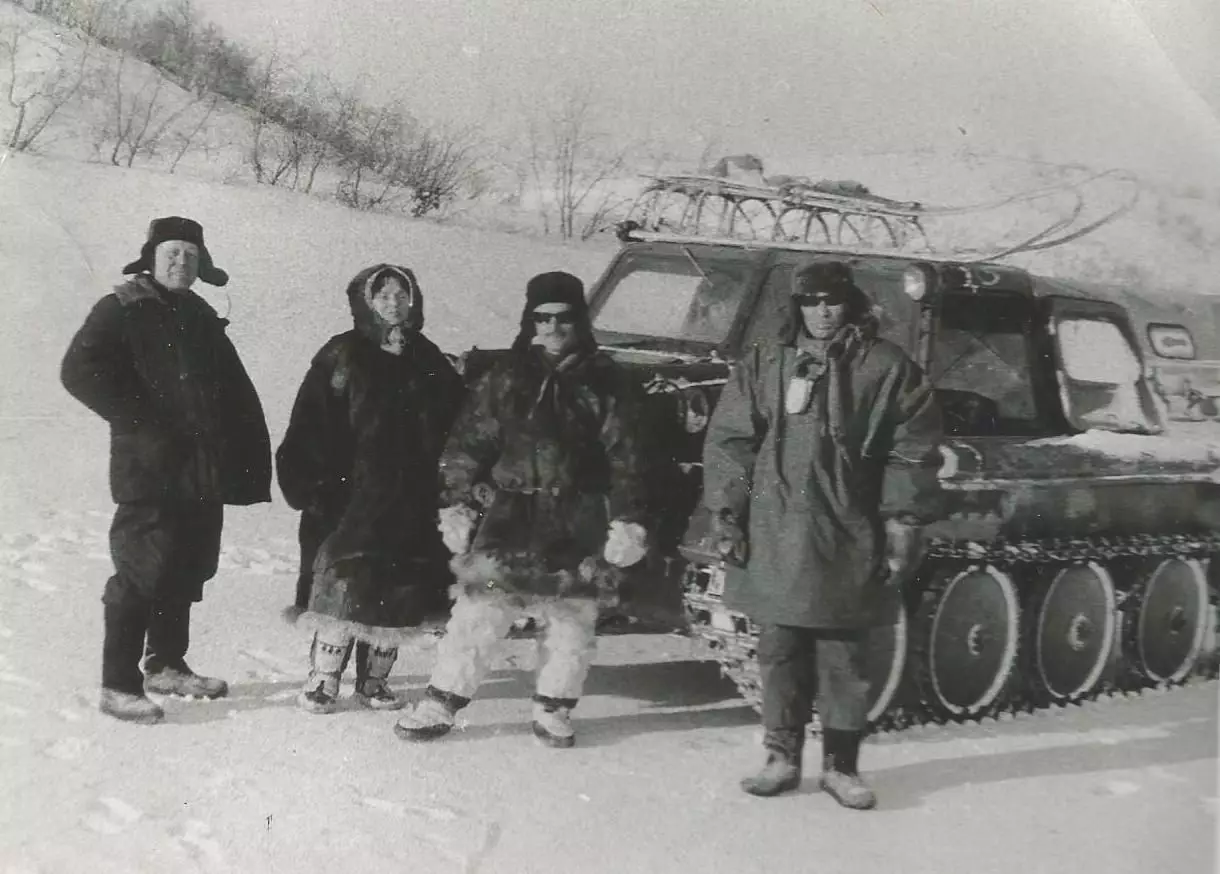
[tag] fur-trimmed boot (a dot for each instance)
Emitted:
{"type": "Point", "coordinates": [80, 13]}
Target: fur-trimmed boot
{"type": "Point", "coordinates": [840, 778]}
{"type": "Point", "coordinates": [782, 770]}
{"type": "Point", "coordinates": [432, 718]}
{"type": "Point", "coordinates": [373, 666]}
{"type": "Point", "coordinates": [553, 721]}
{"type": "Point", "coordinates": [326, 662]}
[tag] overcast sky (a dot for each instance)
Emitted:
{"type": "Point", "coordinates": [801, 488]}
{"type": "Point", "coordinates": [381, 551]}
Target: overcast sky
{"type": "Point", "coordinates": [1133, 83]}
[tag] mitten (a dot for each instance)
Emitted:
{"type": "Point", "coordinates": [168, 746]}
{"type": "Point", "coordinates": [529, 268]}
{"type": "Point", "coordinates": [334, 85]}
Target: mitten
{"type": "Point", "coordinates": [729, 538]}
{"type": "Point", "coordinates": [903, 550]}
{"type": "Point", "coordinates": [626, 543]}
{"type": "Point", "coordinates": [456, 525]}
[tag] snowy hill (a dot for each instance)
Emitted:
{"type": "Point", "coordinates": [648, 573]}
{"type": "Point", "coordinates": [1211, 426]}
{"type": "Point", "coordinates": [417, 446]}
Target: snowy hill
{"type": "Point", "coordinates": [250, 784]}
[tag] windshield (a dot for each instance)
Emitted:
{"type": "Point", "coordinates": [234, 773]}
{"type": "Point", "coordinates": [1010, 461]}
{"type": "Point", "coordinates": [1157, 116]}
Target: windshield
{"type": "Point", "coordinates": [683, 296]}
{"type": "Point", "coordinates": [1101, 377]}
{"type": "Point", "coordinates": [981, 364]}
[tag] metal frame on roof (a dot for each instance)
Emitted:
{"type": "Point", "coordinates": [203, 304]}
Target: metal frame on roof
{"type": "Point", "coordinates": [841, 217]}
{"type": "Point", "coordinates": [633, 233]}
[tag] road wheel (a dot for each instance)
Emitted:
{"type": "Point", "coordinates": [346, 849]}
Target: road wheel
{"type": "Point", "coordinates": [968, 636]}
{"type": "Point", "coordinates": [1070, 633]}
{"type": "Point", "coordinates": [1166, 620]}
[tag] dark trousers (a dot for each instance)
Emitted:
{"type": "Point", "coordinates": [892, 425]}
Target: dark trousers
{"type": "Point", "coordinates": [799, 664]}
{"type": "Point", "coordinates": [163, 554]}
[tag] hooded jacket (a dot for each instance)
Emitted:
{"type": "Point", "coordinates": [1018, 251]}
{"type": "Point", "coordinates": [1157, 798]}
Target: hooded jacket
{"type": "Point", "coordinates": [359, 459]}
{"type": "Point", "coordinates": [814, 487]}
{"type": "Point", "coordinates": [186, 424]}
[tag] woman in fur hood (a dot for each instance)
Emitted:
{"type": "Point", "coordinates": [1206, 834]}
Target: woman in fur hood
{"type": "Point", "coordinates": [544, 469]}
{"type": "Point", "coordinates": [359, 460]}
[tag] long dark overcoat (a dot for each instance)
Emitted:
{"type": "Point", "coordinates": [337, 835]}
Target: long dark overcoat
{"type": "Point", "coordinates": [359, 459]}
{"type": "Point", "coordinates": [185, 421]}
{"type": "Point", "coordinates": [815, 487]}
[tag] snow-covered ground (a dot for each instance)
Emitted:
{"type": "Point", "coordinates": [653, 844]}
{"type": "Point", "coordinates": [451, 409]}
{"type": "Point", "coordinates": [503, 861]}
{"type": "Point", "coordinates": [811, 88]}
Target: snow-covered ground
{"type": "Point", "coordinates": [251, 784]}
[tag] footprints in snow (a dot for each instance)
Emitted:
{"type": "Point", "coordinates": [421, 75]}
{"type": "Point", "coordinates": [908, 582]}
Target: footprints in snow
{"type": "Point", "coordinates": [429, 823]}
{"type": "Point", "coordinates": [193, 838]}
{"type": "Point", "coordinates": [26, 559]}
{"type": "Point", "coordinates": [259, 561]}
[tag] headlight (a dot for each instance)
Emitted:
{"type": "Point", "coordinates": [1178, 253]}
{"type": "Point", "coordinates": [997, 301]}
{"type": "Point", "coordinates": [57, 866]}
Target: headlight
{"type": "Point", "coordinates": [918, 281]}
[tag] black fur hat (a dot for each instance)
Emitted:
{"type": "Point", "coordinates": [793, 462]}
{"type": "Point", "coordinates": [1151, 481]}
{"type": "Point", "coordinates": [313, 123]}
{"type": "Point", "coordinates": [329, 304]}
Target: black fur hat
{"type": "Point", "coordinates": [821, 277]}
{"type": "Point", "coordinates": [555, 287]}
{"type": "Point", "coordinates": [177, 228]}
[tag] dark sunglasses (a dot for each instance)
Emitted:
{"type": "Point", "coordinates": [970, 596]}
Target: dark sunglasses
{"type": "Point", "coordinates": [564, 318]}
{"type": "Point", "coordinates": [831, 299]}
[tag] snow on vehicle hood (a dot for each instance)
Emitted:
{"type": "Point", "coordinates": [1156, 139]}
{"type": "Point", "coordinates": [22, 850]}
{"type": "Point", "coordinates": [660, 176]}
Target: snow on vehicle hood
{"type": "Point", "coordinates": [1135, 447]}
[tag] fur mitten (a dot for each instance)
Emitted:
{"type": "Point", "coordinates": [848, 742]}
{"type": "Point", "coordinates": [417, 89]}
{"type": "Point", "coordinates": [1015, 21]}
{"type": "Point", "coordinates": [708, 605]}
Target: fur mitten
{"type": "Point", "coordinates": [904, 550]}
{"type": "Point", "coordinates": [626, 543]}
{"type": "Point", "coordinates": [456, 525]}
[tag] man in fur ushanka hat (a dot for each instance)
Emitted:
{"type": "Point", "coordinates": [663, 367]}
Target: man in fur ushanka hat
{"type": "Point", "coordinates": [187, 437]}
{"type": "Point", "coordinates": [359, 461]}
{"type": "Point", "coordinates": [543, 495]}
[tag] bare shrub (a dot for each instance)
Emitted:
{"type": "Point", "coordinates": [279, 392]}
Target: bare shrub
{"type": "Point", "coordinates": [571, 162]}
{"type": "Point", "coordinates": [142, 110]}
{"type": "Point", "coordinates": [37, 88]}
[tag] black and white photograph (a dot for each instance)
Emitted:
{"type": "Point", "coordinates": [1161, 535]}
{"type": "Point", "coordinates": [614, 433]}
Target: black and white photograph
{"type": "Point", "coordinates": [504, 437]}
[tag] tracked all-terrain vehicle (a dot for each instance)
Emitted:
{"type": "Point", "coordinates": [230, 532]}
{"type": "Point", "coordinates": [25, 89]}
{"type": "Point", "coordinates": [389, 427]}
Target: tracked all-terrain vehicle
{"type": "Point", "coordinates": [1080, 548]}
{"type": "Point", "coordinates": [1078, 551]}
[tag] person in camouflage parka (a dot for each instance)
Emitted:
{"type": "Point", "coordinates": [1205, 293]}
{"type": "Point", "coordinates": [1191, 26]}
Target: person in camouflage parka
{"type": "Point", "coordinates": [545, 469]}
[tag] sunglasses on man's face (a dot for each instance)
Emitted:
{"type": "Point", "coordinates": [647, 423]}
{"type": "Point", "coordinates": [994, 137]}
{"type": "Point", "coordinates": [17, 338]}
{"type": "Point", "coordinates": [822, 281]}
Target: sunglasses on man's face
{"type": "Point", "coordinates": [565, 318]}
{"type": "Point", "coordinates": [831, 299]}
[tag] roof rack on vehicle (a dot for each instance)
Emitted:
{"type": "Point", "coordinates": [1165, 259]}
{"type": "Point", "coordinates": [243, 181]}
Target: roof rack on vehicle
{"type": "Point", "coordinates": [797, 213]}
{"type": "Point", "coordinates": [629, 230]}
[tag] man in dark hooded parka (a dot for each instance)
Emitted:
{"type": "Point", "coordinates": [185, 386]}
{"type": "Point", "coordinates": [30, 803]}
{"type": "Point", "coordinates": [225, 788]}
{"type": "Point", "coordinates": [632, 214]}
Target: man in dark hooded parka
{"type": "Point", "coordinates": [187, 436]}
{"type": "Point", "coordinates": [359, 460]}
{"type": "Point", "coordinates": [819, 467]}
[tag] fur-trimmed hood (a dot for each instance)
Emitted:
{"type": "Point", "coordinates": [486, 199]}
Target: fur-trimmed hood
{"type": "Point", "coordinates": [367, 322]}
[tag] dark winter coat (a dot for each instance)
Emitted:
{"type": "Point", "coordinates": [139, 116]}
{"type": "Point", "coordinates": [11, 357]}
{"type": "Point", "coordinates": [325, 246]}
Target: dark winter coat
{"type": "Point", "coordinates": [359, 459]}
{"type": "Point", "coordinates": [186, 424]}
{"type": "Point", "coordinates": [815, 487]}
{"type": "Point", "coordinates": [561, 448]}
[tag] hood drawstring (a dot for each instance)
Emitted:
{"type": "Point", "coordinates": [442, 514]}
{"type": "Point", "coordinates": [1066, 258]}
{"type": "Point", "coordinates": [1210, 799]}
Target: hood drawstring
{"type": "Point", "coordinates": [841, 349]}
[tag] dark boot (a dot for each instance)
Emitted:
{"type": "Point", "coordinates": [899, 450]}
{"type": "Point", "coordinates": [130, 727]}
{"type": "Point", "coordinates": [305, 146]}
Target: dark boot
{"type": "Point", "coordinates": [165, 668]}
{"type": "Point", "coordinates": [840, 777]}
{"type": "Point", "coordinates": [122, 694]}
{"type": "Point", "coordinates": [782, 771]}
{"type": "Point", "coordinates": [122, 646]}
{"type": "Point", "coordinates": [373, 666]}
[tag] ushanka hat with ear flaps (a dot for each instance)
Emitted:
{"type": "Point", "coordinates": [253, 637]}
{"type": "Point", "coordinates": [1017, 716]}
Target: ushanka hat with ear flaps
{"type": "Point", "coordinates": [174, 227]}
{"type": "Point", "coordinates": [555, 287]}
{"type": "Point", "coordinates": [832, 281]}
